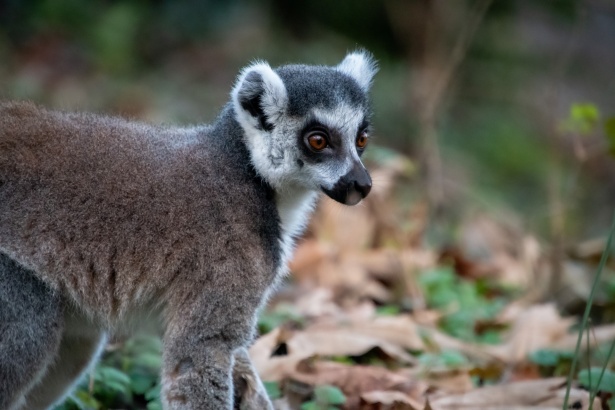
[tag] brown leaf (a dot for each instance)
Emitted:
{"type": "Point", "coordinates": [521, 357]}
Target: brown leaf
{"type": "Point", "coordinates": [388, 400]}
{"type": "Point", "coordinates": [347, 227]}
{"type": "Point", "coordinates": [538, 327]}
{"type": "Point", "coordinates": [597, 335]}
{"type": "Point", "coordinates": [578, 399]}
{"type": "Point", "coordinates": [392, 335]}
{"type": "Point", "coordinates": [450, 380]}
{"type": "Point", "coordinates": [519, 393]}
{"type": "Point", "coordinates": [400, 330]}
{"type": "Point", "coordinates": [351, 341]}
{"type": "Point", "coordinates": [308, 254]}
{"type": "Point", "coordinates": [354, 380]}
{"type": "Point", "coordinates": [530, 395]}
{"type": "Point", "coordinates": [357, 380]}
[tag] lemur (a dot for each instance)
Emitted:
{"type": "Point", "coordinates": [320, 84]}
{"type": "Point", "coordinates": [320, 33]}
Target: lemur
{"type": "Point", "coordinates": [104, 220]}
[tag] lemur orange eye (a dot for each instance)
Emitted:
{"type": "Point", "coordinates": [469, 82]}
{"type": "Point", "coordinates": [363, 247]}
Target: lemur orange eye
{"type": "Point", "coordinates": [317, 141]}
{"type": "Point", "coordinates": [362, 140]}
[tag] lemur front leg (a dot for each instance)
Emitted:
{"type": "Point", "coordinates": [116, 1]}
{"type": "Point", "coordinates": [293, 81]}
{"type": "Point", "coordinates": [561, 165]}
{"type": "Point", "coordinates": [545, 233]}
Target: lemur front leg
{"type": "Point", "coordinates": [249, 391]}
{"type": "Point", "coordinates": [200, 344]}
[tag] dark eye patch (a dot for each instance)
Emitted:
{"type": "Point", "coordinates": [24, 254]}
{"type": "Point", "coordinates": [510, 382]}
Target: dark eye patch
{"type": "Point", "coordinates": [333, 136]}
{"type": "Point", "coordinates": [334, 141]}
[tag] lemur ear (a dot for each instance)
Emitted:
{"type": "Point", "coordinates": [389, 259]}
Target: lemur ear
{"type": "Point", "coordinates": [361, 66]}
{"type": "Point", "coordinates": [259, 96]}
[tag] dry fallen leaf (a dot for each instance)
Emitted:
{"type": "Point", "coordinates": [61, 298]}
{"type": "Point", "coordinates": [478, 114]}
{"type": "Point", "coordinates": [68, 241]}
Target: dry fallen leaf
{"type": "Point", "coordinates": [349, 228]}
{"type": "Point", "coordinates": [597, 336]}
{"type": "Point", "coordinates": [450, 380]}
{"type": "Point", "coordinates": [392, 335]}
{"type": "Point", "coordinates": [534, 395]}
{"type": "Point", "coordinates": [538, 327]}
{"type": "Point", "coordinates": [344, 271]}
{"type": "Point", "coordinates": [388, 400]}
{"type": "Point", "coordinates": [357, 380]}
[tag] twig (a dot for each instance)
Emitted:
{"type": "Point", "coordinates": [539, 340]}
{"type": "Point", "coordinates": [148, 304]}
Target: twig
{"type": "Point", "coordinates": [433, 103]}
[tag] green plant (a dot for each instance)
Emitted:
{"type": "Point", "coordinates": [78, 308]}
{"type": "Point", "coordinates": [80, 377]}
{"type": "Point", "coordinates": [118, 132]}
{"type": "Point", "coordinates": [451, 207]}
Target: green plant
{"type": "Point", "coordinates": [467, 301]}
{"type": "Point", "coordinates": [124, 378]}
{"type": "Point", "coordinates": [325, 398]}
{"type": "Point", "coordinates": [584, 322]}
{"type": "Point", "coordinates": [598, 379]}
{"type": "Point", "coordinates": [445, 358]}
{"type": "Point", "coordinates": [273, 390]}
{"type": "Point", "coordinates": [282, 313]}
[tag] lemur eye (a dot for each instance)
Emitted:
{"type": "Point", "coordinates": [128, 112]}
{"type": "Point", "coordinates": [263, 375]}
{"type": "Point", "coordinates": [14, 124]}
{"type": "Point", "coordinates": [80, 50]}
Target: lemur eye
{"type": "Point", "coordinates": [362, 140]}
{"type": "Point", "coordinates": [317, 141]}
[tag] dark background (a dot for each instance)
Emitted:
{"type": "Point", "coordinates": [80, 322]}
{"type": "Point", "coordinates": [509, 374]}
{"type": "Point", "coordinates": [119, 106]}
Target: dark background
{"type": "Point", "coordinates": [477, 93]}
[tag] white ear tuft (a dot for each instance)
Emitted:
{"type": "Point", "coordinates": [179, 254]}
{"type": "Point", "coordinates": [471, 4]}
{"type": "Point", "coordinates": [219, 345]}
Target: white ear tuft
{"type": "Point", "coordinates": [361, 66]}
{"type": "Point", "coordinates": [259, 96]}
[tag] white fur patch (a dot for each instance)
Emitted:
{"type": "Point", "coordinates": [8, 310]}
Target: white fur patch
{"type": "Point", "coordinates": [267, 158]}
{"type": "Point", "coordinates": [294, 207]}
{"type": "Point", "coordinates": [361, 66]}
{"type": "Point", "coordinates": [274, 98]}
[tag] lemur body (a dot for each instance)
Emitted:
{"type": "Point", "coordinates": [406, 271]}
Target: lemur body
{"type": "Point", "coordinates": [102, 219]}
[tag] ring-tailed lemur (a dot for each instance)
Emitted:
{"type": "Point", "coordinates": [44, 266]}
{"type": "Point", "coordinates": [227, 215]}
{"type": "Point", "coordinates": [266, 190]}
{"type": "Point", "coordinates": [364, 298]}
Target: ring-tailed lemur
{"type": "Point", "coordinates": [103, 220]}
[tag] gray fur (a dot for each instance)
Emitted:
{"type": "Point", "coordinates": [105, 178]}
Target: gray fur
{"type": "Point", "coordinates": [103, 220]}
{"type": "Point", "coordinates": [323, 87]}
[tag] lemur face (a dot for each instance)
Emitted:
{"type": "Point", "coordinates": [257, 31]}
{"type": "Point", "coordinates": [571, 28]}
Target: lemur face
{"type": "Point", "coordinates": [309, 125]}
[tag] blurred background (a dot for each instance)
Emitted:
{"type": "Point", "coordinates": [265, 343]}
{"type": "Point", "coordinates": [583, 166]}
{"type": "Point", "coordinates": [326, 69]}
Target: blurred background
{"type": "Point", "coordinates": [494, 127]}
{"type": "Point", "coordinates": [502, 105]}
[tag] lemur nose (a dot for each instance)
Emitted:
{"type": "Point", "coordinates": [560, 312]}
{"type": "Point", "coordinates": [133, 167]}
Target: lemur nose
{"type": "Point", "coordinates": [363, 187]}
{"type": "Point", "coordinates": [352, 187]}
{"type": "Point", "coordinates": [362, 182]}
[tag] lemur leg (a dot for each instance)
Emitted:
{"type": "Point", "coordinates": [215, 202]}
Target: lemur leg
{"type": "Point", "coordinates": [31, 324]}
{"type": "Point", "coordinates": [248, 389]}
{"type": "Point", "coordinates": [81, 345]}
{"type": "Point", "coordinates": [199, 351]}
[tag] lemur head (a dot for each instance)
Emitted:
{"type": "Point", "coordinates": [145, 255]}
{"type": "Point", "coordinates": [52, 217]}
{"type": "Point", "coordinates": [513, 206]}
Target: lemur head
{"type": "Point", "coordinates": [308, 126]}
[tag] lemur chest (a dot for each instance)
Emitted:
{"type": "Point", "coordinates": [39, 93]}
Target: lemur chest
{"type": "Point", "coordinates": [294, 208]}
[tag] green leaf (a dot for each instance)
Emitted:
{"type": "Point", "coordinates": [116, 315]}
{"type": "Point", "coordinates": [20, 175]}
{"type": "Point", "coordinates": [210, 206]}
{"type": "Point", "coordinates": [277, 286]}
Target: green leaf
{"type": "Point", "coordinates": [142, 383]}
{"type": "Point", "coordinates": [589, 377]}
{"type": "Point", "coordinates": [545, 357]}
{"type": "Point", "coordinates": [154, 405]}
{"type": "Point", "coordinates": [310, 405]}
{"type": "Point", "coordinates": [273, 390]}
{"type": "Point", "coordinates": [329, 395]}
{"type": "Point", "coordinates": [151, 360]}
{"type": "Point", "coordinates": [387, 310]}
{"type": "Point", "coordinates": [584, 112]}
{"type": "Point", "coordinates": [609, 130]}
{"type": "Point", "coordinates": [110, 374]}
{"type": "Point", "coordinates": [153, 393]}
{"type": "Point", "coordinates": [83, 400]}
{"type": "Point", "coordinates": [343, 359]}
{"type": "Point", "coordinates": [282, 313]}
{"type": "Point", "coordinates": [113, 379]}
{"type": "Point", "coordinates": [453, 358]}
{"type": "Point", "coordinates": [584, 117]}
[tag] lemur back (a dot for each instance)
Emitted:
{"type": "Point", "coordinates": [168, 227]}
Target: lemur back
{"type": "Point", "coordinates": [107, 217]}
{"type": "Point", "coordinates": [183, 196]}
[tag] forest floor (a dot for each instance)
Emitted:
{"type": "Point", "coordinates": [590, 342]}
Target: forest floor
{"type": "Point", "coordinates": [372, 318]}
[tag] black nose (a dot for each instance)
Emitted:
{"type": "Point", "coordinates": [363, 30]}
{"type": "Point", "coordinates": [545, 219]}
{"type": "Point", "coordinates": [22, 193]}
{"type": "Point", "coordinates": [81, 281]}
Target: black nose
{"type": "Point", "coordinates": [352, 187]}
{"type": "Point", "coordinates": [363, 187]}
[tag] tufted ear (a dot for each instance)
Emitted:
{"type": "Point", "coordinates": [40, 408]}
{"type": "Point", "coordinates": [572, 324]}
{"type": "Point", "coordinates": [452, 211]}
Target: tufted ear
{"type": "Point", "coordinates": [361, 66]}
{"type": "Point", "coordinates": [259, 96]}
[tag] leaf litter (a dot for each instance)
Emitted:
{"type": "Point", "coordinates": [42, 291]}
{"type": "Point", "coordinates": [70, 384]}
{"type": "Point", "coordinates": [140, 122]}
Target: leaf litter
{"type": "Point", "coordinates": [373, 313]}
